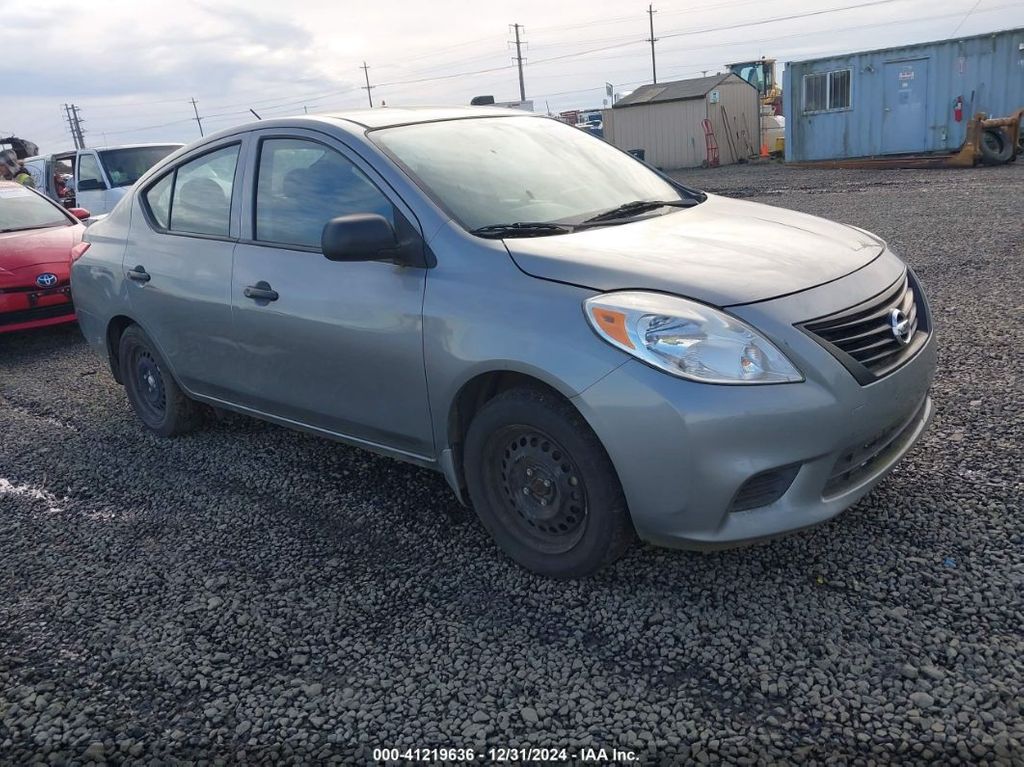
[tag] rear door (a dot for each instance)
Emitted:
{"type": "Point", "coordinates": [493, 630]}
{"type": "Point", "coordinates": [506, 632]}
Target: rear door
{"type": "Point", "coordinates": [178, 265]}
{"type": "Point", "coordinates": [905, 119]}
{"type": "Point", "coordinates": [339, 346]}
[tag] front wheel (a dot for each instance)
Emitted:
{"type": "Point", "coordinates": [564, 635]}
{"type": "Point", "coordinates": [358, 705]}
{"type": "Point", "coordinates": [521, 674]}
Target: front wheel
{"type": "Point", "coordinates": [155, 396]}
{"type": "Point", "coordinates": [543, 485]}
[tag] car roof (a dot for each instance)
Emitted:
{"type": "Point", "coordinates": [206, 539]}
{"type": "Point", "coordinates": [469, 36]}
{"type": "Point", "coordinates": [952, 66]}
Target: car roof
{"type": "Point", "coordinates": [68, 152]}
{"type": "Point", "coordinates": [386, 117]}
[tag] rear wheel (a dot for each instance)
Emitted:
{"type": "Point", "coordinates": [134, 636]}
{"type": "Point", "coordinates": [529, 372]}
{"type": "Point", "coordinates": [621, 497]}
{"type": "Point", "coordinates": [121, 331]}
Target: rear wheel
{"type": "Point", "coordinates": [543, 485]}
{"type": "Point", "coordinates": [154, 395]}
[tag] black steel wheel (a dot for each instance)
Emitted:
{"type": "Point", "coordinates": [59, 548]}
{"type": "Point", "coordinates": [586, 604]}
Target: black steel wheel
{"type": "Point", "coordinates": [543, 485]}
{"type": "Point", "coordinates": [146, 380]}
{"type": "Point", "coordinates": [542, 492]}
{"type": "Point", "coordinates": [155, 396]}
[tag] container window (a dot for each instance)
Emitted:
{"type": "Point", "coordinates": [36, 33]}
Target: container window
{"type": "Point", "coordinates": [826, 91]}
{"type": "Point", "coordinates": [815, 92]}
{"type": "Point", "coordinates": [839, 89]}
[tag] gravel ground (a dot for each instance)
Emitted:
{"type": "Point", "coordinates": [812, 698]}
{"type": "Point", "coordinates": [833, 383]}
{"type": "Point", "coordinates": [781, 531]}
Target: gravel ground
{"type": "Point", "coordinates": [252, 593]}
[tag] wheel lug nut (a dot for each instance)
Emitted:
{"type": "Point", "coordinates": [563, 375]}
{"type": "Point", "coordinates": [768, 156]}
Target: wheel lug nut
{"type": "Point", "coordinates": [529, 472]}
{"type": "Point", "coordinates": [526, 491]}
{"type": "Point", "coordinates": [547, 483]}
{"type": "Point", "coordinates": [543, 502]}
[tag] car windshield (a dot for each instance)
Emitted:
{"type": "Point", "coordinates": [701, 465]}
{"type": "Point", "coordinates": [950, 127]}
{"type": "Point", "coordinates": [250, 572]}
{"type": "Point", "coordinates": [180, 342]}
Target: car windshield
{"type": "Point", "coordinates": [126, 166]}
{"type": "Point", "coordinates": [21, 208]}
{"type": "Point", "coordinates": [489, 171]}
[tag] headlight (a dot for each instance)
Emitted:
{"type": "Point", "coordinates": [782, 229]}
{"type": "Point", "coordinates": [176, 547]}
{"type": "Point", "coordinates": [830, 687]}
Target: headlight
{"type": "Point", "coordinates": [688, 339]}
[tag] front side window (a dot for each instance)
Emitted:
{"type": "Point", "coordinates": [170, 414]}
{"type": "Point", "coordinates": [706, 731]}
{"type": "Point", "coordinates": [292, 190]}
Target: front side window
{"type": "Point", "coordinates": [496, 170]}
{"type": "Point", "coordinates": [126, 166]}
{"type": "Point", "coordinates": [302, 185]}
{"type": "Point", "coordinates": [826, 91]}
{"type": "Point", "coordinates": [90, 178]}
{"type": "Point", "coordinates": [201, 197]}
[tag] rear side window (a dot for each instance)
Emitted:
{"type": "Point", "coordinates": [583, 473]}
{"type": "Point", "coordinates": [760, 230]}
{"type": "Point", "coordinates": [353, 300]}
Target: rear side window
{"type": "Point", "coordinates": [195, 197]}
{"type": "Point", "coordinates": [201, 200]}
{"type": "Point", "coordinates": [302, 185]}
{"type": "Point", "coordinates": [158, 198]}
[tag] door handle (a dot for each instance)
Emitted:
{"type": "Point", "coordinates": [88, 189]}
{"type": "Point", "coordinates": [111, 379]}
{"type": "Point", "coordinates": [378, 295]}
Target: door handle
{"type": "Point", "coordinates": [261, 291]}
{"type": "Point", "coordinates": [139, 274]}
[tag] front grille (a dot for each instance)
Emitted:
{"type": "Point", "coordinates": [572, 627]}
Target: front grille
{"type": "Point", "coordinates": [38, 313]}
{"type": "Point", "coordinates": [764, 488]}
{"type": "Point", "coordinates": [35, 288]}
{"type": "Point", "coordinates": [862, 337]}
{"type": "Point", "coordinates": [860, 461]}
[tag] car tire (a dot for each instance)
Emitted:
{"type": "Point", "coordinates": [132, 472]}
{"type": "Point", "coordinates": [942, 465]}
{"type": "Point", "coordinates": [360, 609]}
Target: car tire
{"type": "Point", "coordinates": [155, 396]}
{"type": "Point", "coordinates": [543, 485]}
{"type": "Point", "coordinates": [996, 148]}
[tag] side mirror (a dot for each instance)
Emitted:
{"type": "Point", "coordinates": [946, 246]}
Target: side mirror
{"type": "Point", "coordinates": [358, 237]}
{"type": "Point", "coordinates": [80, 213]}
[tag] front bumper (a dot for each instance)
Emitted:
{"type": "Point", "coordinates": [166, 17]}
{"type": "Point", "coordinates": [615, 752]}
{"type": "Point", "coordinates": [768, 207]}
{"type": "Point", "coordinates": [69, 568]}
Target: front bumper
{"type": "Point", "coordinates": [28, 309]}
{"type": "Point", "coordinates": [684, 450]}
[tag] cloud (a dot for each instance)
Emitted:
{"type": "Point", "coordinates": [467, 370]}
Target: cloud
{"type": "Point", "coordinates": [132, 65]}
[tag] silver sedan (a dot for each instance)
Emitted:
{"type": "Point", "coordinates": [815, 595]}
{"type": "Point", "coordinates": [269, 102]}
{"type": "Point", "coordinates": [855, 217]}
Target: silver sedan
{"type": "Point", "coordinates": [586, 349]}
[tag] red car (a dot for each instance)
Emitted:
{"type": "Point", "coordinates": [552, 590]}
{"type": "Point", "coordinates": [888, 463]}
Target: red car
{"type": "Point", "coordinates": [38, 240]}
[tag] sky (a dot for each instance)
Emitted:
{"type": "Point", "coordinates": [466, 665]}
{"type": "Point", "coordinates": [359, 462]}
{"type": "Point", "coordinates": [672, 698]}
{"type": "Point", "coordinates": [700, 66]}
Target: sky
{"type": "Point", "coordinates": [133, 66]}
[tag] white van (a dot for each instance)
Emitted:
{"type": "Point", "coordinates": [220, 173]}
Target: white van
{"type": "Point", "coordinates": [94, 179]}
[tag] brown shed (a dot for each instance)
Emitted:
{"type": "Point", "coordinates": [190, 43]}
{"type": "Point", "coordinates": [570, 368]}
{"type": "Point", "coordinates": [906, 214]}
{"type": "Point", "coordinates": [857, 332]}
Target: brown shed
{"type": "Point", "coordinates": [664, 121]}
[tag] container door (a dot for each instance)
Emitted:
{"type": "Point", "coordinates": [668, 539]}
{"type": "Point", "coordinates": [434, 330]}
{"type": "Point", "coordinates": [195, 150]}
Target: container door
{"type": "Point", "coordinates": [905, 121]}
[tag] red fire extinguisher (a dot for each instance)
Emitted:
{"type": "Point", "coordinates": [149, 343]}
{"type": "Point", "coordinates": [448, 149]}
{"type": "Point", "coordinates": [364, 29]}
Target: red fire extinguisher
{"type": "Point", "coordinates": [958, 108]}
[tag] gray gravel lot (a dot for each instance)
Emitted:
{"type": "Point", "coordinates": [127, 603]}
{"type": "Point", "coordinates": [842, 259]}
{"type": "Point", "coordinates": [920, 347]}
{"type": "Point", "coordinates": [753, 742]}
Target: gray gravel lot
{"type": "Point", "coordinates": [258, 594]}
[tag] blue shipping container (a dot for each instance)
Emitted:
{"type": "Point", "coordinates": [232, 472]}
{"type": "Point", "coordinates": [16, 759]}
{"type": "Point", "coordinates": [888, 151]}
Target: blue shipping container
{"type": "Point", "coordinates": [900, 100]}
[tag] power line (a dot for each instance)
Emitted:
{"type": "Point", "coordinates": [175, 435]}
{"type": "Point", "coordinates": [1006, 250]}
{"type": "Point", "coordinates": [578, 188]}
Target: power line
{"type": "Point", "coordinates": [964, 19]}
{"type": "Point", "coordinates": [305, 99]}
{"type": "Point", "coordinates": [518, 58]}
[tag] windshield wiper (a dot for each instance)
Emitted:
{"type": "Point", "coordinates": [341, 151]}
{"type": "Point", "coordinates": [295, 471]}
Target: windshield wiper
{"type": "Point", "coordinates": [520, 229]}
{"type": "Point", "coordinates": [636, 207]}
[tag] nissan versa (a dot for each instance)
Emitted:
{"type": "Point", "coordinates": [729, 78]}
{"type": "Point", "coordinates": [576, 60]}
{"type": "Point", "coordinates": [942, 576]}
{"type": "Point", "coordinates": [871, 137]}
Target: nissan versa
{"type": "Point", "coordinates": [585, 348]}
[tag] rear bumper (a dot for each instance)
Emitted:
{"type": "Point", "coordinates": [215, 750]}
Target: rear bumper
{"type": "Point", "coordinates": [683, 450]}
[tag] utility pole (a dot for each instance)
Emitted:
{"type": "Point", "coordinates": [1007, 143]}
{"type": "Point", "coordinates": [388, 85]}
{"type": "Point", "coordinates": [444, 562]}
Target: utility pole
{"type": "Point", "coordinates": [652, 39]}
{"type": "Point", "coordinates": [75, 125]}
{"type": "Point", "coordinates": [518, 58]}
{"type": "Point", "coordinates": [71, 127]}
{"type": "Point", "coordinates": [78, 125]}
{"type": "Point", "coordinates": [368, 88]}
{"type": "Point", "coordinates": [198, 119]}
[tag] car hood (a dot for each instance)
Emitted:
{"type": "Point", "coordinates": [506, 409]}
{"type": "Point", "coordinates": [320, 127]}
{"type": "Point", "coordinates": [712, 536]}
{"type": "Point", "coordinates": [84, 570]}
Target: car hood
{"type": "Point", "coordinates": [722, 252]}
{"type": "Point", "coordinates": [37, 246]}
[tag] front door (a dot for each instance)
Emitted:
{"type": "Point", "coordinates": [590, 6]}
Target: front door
{"type": "Point", "coordinates": [905, 116]}
{"type": "Point", "coordinates": [333, 345]}
{"type": "Point", "coordinates": [178, 266]}
{"type": "Point", "coordinates": [90, 184]}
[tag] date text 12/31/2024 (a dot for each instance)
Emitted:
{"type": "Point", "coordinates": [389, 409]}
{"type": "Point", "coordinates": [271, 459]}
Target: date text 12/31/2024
{"type": "Point", "coordinates": [501, 755]}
